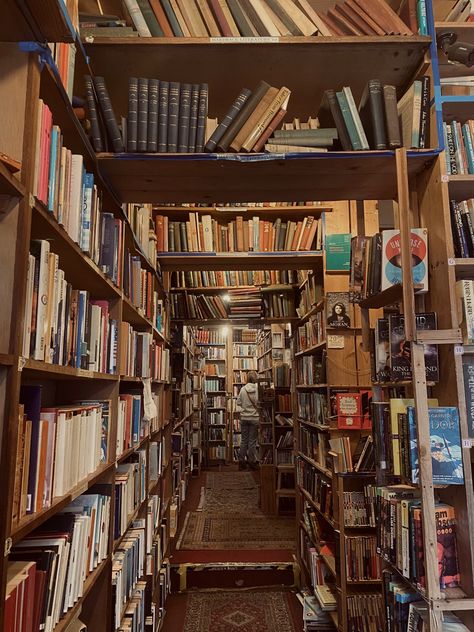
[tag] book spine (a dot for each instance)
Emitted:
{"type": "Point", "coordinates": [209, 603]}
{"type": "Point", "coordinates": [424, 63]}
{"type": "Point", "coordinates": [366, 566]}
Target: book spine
{"type": "Point", "coordinates": [173, 116]}
{"type": "Point", "coordinates": [425, 112]}
{"type": "Point", "coordinates": [92, 111]}
{"type": "Point", "coordinates": [150, 18]}
{"type": "Point", "coordinates": [111, 123]}
{"type": "Point", "coordinates": [193, 119]}
{"type": "Point", "coordinates": [163, 116]}
{"type": "Point", "coordinates": [161, 18]}
{"type": "Point", "coordinates": [227, 120]}
{"type": "Point", "coordinates": [451, 152]}
{"type": "Point", "coordinates": [152, 135]}
{"type": "Point", "coordinates": [391, 117]}
{"type": "Point", "coordinates": [132, 119]}
{"type": "Point", "coordinates": [137, 18]}
{"type": "Point", "coordinates": [276, 121]}
{"type": "Point", "coordinates": [241, 19]}
{"type": "Point", "coordinates": [350, 125]}
{"type": "Point", "coordinates": [422, 17]}
{"type": "Point", "coordinates": [202, 116]}
{"type": "Point", "coordinates": [142, 114]}
{"type": "Point", "coordinates": [172, 18]}
{"type": "Point", "coordinates": [184, 116]}
{"type": "Point", "coordinates": [466, 133]}
{"type": "Point", "coordinates": [220, 18]}
{"type": "Point", "coordinates": [377, 112]}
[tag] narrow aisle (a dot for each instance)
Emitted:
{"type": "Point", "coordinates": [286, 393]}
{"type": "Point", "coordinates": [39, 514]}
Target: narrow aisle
{"type": "Point", "coordinates": [233, 566]}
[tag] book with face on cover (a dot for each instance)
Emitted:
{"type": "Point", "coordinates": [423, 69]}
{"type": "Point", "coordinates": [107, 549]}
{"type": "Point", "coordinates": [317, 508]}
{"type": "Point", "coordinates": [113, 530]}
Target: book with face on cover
{"type": "Point", "coordinates": [338, 315]}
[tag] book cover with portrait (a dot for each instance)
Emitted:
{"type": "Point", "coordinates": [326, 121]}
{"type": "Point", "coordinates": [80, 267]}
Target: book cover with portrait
{"type": "Point", "coordinates": [338, 314]}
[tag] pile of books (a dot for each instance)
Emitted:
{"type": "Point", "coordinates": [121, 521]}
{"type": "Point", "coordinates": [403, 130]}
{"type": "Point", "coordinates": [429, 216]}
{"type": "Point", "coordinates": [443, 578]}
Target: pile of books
{"type": "Point", "coordinates": [458, 141]}
{"type": "Point", "coordinates": [251, 18]}
{"type": "Point", "coordinates": [197, 306]}
{"type": "Point", "coordinates": [301, 137]}
{"type": "Point", "coordinates": [380, 122]}
{"type": "Point", "coordinates": [203, 233]}
{"type": "Point", "coordinates": [245, 303]}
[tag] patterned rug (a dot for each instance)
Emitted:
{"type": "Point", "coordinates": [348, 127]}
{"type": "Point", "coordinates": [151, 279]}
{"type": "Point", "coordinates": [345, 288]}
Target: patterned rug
{"type": "Point", "coordinates": [231, 500]}
{"type": "Point", "coordinates": [230, 480]}
{"type": "Point", "coordinates": [251, 531]}
{"type": "Point", "coordinates": [238, 611]}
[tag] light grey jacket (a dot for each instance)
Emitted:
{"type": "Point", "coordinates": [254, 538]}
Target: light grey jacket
{"type": "Point", "coordinates": [248, 394]}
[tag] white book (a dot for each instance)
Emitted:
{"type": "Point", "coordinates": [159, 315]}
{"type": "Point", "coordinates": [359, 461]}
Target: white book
{"type": "Point", "coordinates": [356, 118]}
{"type": "Point", "coordinates": [54, 311]}
{"type": "Point", "coordinates": [256, 234]}
{"type": "Point", "coordinates": [75, 199]}
{"type": "Point", "coordinates": [207, 233]}
{"type": "Point", "coordinates": [137, 18]}
{"type": "Point", "coordinates": [42, 303]}
{"type": "Point", "coordinates": [28, 306]}
{"type": "Point", "coordinates": [62, 316]}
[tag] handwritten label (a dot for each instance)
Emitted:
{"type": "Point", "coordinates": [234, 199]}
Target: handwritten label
{"type": "Point", "coordinates": [8, 546]}
{"type": "Point", "coordinates": [467, 443]}
{"type": "Point", "coordinates": [244, 40]}
{"type": "Point", "coordinates": [32, 200]}
{"type": "Point", "coordinates": [335, 342]}
{"type": "Point", "coordinates": [458, 350]}
{"type": "Point", "coordinates": [21, 363]}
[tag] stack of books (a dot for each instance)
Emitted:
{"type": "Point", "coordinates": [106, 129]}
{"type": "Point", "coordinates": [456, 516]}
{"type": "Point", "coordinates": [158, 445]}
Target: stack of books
{"type": "Point", "coordinates": [245, 304]}
{"type": "Point", "coordinates": [197, 306]}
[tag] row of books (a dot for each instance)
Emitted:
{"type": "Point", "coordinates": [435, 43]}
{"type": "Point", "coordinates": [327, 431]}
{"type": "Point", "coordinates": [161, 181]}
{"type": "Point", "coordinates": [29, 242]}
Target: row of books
{"type": "Point", "coordinates": [202, 233]}
{"type": "Point", "coordinates": [312, 407]}
{"type": "Point", "coordinates": [278, 305]}
{"type": "Point", "coordinates": [462, 227]}
{"type": "Point", "coordinates": [365, 612]}
{"type": "Point", "coordinates": [253, 18]}
{"type": "Point", "coordinates": [282, 403]}
{"type": "Point", "coordinates": [407, 611]}
{"type": "Point", "coordinates": [232, 278]}
{"type": "Point", "coordinates": [393, 352]}
{"type": "Point", "coordinates": [397, 442]}
{"type": "Point", "coordinates": [309, 370]}
{"type": "Point", "coordinates": [282, 378]}
{"type": "Point", "coordinates": [314, 445]}
{"type": "Point", "coordinates": [210, 337]}
{"type": "Point", "coordinates": [46, 571]}
{"type": "Point", "coordinates": [128, 567]}
{"type": "Point", "coordinates": [245, 335]}
{"type": "Point", "coordinates": [157, 460]}
{"type": "Point", "coordinates": [132, 427]}
{"type": "Point", "coordinates": [359, 507]}
{"type": "Point", "coordinates": [130, 490]}
{"type": "Point", "coordinates": [64, 57]}
{"type": "Point", "coordinates": [42, 449]}
{"type": "Point", "coordinates": [139, 287]}
{"type": "Point", "coordinates": [216, 401]}
{"type": "Point", "coordinates": [216, 418]}
{"type": "Point", "coordinates": [212, 385]}
{"type": "Point", "coordinates": [140, 217]}
{"type": "Point", "coordinates": [197, 306]}
{"type": "Point", "coordinates": [458, 141]}
{"type": "Point", "coordinates": [400, 535]}
{"type": "Point", "coordinates": [311, 293]}
{"type": "Point", "coordinates": [245, 304]}
{"type": "Point", "coordinates": [376, 263]}
{"type": "Point", "coordinates": [64, 325]}
{"type": "Point", "coordinates": [217, 434]}
{"type": "Point", "coordinates": [246, 364]}
{"type": "Point", "coordinates": [361, 561]}
{"type": "Point", "coordinates": [311, 333]}
{"type": "Point", "coordinates": [244, 350]}
{"type": "Point", "coordinates": [316, 485]}
{"type": "Point", "coordinates": [217, 453]}
{"type": "Point", "coordinates": [214, 353]}
{"type": "Point", "coordinates": [214, 369]}
{"type": "Point", "coordinates": [142, 356]}
{"type": "Point", "coordinates": [379, 122]}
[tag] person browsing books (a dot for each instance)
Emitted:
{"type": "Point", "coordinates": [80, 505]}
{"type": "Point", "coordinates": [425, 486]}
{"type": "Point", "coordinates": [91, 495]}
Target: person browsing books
{"type": "Point", "coordinates": [247, 401]}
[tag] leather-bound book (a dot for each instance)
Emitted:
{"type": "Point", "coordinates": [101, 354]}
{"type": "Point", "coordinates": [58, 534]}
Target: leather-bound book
{"type": "Point", "coordinates": [173, 116]}
{"type": "Point", "coordinates": [142, 114]}
{"type": "Point", "coordinates": [163, 116]}
{"type": "Point", "coordinates": [394, 138]}
{"type": "Point", "coordinates": [184, 116]}
{"type": "Point", "coordinates": [372, 114]}
{"type": "Point", "coordinates": [153, 98]}
{"type": "Point", "coordinates": [202, 117]}
{"type": "Point", "coordinates": [228, 118]}
{"type": "Point", "coordinates": [108, 114]}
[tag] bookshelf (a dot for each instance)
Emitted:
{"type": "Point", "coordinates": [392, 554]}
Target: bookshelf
{"type": "Point", "coordinates": [212, 178]}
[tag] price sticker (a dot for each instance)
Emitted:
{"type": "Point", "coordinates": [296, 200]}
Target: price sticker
{"type": "Point", "coordinates": [335, 342]}
{"type": "Point", "coordinates": [84, 373]}
{"type": "Point", "coordinates": [8, 546]}
{"type": "Point", "coordinates": [458, 350]}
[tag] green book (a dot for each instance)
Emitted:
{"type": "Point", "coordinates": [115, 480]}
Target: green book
{"type": "Point", "coordinates": [338, 252]}
{"type": "Point", "coordinates": [349, 121]}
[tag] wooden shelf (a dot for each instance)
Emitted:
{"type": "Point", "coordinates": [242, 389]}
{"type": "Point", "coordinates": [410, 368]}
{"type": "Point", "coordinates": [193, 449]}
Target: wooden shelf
{"type": "Point", "coordinates": [314, 310]}
{"type": "Point", "coordinates": [464, 31]}
{"type": "Point", "coordinates": [207, 177]}
{"type": "Point", "coordinates": [172, 261]}
{"type": "Point", "coordinates": [44, 370]}
{"type": "Point", "coordinates": [7, 359]}
{"type": "Point", "coordinates": [316, 465]}
{"type": "Point", "coordinates": [229, 64]}
{"type": "Point", "coordinates": [223, 213]}
{"type": "Point", "coordinates": [391, 295]}
{"type": "Point", "coordinates": [311, 350]}
{"type": "Point", "coordinates": [43, 21]}
{"type": "Point", "coordinates": [225, 289]}
{"type": "Point", "coordinates": [210, 322]}
{"type": "Point", "coordinates": [461, 187]}
{"type": "Point", "coordinates": [306, 387]}
{"type": "Point", "coordinates": [457, 107]}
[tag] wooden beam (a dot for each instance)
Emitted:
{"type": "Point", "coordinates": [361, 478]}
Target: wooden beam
{"type": "Point", "coordinates": [439, 337]}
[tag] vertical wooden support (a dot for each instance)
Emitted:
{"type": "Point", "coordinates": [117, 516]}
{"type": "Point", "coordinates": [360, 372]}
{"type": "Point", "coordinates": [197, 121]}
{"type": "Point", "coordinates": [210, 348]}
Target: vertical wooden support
{"type": "Point", "coordinates": [404, 223]}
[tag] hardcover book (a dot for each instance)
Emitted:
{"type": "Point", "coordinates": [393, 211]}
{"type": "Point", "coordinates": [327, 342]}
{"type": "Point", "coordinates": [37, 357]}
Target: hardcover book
{"type": "Point", "coordinates": [391, 258]}
{"type": "Point", "coordinates": [338, 310]}
{"type": "Point", "coordinates": [382, 351]}
{"type": "Point", "coordinates": [338, 252]}
{"type": "Point", "coordinates": [468, 371]}
{"type": "Point", "coordinates": [445, 439]}
{"type": "Point", "coordinates": [400, 351]}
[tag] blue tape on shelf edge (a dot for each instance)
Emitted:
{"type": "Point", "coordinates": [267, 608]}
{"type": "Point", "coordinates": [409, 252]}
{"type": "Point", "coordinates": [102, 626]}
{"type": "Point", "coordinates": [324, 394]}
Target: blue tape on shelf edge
{"type": "Point", "coordinates": [43, 51]}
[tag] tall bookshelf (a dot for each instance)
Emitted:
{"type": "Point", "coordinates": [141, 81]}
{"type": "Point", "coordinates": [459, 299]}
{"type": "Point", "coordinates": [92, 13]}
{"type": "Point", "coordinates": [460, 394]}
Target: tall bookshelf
{"type": "Point", "coordinates": [415, 176]}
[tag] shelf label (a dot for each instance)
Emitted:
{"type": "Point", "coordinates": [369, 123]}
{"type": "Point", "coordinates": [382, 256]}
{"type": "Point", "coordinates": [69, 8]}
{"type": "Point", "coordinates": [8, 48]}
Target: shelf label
{"type": "Point", "coordinates": [32, 200]}
{"type": "Point", "coordinates": [8, 546]}
{"type": "Point", "coordinates": [84, 373]}
{"type": "Point", "coordinates": [335, 342]}
{"type": "Point", "coordinates": [451, 261]}
{"type": "Point", "coordinates": [21, 363]}
{"type": "Point", "coordinates": [244, 40]}
{"type": "Point", "coordinates": [458, 350]}
{"type": "Point", "coordinates": [467, 443]}
{"type": "Point", "coordinates": [445, 178]}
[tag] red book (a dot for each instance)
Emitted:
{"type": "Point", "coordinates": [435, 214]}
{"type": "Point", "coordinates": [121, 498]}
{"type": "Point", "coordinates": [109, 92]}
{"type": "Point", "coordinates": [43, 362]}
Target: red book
{"type": "Point", "coordinates": [220, 17]}
{"type": "Point", "coordinates": [161, 18]}
{"type": "Point", "coordinates": [272, 126]}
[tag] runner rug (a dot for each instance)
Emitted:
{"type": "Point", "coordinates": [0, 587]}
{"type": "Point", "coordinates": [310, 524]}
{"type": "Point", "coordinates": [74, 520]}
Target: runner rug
{"type": "Point", "coordinates": [234, 611]}
{"type": "Point", "coordinates": [228, 492]}
{"type": "Point", "coordinates": [229, 531]}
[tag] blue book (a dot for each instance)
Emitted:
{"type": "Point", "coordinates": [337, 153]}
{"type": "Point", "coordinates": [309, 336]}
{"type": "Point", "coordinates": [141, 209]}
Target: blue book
{"type": "Point", "coordinates": [81, 314]}
{"type": "Point", "coordinates": [55, 137]}
{"type": "Point", "coordinates": [466, 133]}
{"type": "Point", "coordinates": [457, 148]}
{"type": "Point", "coordinates": [422, 17]}
{"type": "Point", "coordinates": [136, 417]}
{"type": "Point", "coordinates": [445, 440]}
{"type": "Point", "coordinates": [86, 214]}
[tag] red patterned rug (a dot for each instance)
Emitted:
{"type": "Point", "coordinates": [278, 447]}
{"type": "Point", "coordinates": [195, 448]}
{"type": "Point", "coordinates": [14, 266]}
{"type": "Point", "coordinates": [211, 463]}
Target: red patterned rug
{"type": "Point", "coordinates": [238, 611]}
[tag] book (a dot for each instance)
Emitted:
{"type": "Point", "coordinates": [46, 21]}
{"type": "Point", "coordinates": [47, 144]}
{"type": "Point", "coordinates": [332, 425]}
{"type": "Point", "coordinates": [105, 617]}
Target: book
{"type": "Point", "coordinates": [108, 114]}
{"type": "Point", "coordinates": [337, 248]}
{"type": "Point", "coordinates": [391, 258]}
{"type": "Point", "coordinates": [400, 350]}
{"type": "Point", "coordinates": [230, 116]}
{"type": "Point", "coordinates": [337, 310]}
{"type": "Point", "coordinates": [372, 111]}
{"type": "Point", "coordinates": [445, 439]}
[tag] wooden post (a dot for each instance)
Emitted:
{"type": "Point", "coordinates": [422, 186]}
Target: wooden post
{"type": "Point", "coordinates": [404, 223]}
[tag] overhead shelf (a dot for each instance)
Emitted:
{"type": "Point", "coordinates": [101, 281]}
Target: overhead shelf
{"type": "Point", "coordinates": [206, 178]}
{"type": "Point", "coordinates": [229, 64]}
{"type": "Point", "coordinates": [461, 187]}
{"type": "Point", "coordinates": [33, 20]}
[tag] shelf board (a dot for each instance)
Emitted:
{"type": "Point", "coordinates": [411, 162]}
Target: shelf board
{"type": "Point", "coordinates": [43, 21]}
{"type": "Point", "coordinates": [226, 288]}
{"type": "Point", "coordinates": [9, 184]}
{"type": "Point", "coordinates": [461, 187]}
{"type": "Point", "coordinates": [317, 466]}
{"type": "Point", "coordinates": [314, 310]}
{"type": "Point", "coordinates": [307, 387]}
{"type": "Point", "coordinates": [180, 213]}
{"type": "Point", "coordinates": [172, 261]}
{"type": "Point", "coordinates": [457, 107]}
{"type": "Point", "coordinates": [32, 521]}
{"type": "Point", "coordinates": [393, 294]}
{"type": "Point", "coordinates": [7, 359]}
{"type": "Point", "coordinates": [232, 321]}
{"type": "Point", "coordinates": [311, 350]}
{"type": "Point", "coordinates": [56, 371]}
{"type": "Point", "coordinates": [228, 64]}
{"type": "Point", "coordinates": [205, 177]}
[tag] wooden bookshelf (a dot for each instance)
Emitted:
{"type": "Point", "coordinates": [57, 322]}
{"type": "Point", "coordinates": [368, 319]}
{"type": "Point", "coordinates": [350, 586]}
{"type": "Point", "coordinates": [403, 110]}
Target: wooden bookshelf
{"type": "Point", "coordinates": [47, 20]}
{"type": "Point", "coordinates": [281, 260]}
